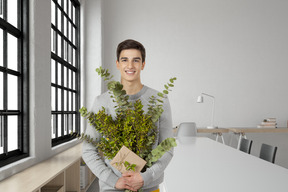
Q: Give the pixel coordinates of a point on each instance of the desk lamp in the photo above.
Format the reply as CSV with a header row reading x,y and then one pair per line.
x,y
200,100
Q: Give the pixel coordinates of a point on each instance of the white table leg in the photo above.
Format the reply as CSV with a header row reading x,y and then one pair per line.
x,y
239,141
222,139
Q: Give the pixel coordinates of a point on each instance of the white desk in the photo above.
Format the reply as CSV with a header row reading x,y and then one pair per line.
x,y
203,165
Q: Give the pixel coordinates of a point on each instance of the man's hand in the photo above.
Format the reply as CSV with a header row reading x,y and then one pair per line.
x,y
133,179
122,183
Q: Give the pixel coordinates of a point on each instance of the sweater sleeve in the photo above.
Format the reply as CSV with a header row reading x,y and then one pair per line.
x,y
93,159
165,131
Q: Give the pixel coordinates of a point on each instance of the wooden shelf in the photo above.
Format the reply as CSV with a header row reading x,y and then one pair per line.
x,y
53,189
61,173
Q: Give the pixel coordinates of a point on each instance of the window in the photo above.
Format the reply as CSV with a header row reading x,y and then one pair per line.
x,y
65,65
14,143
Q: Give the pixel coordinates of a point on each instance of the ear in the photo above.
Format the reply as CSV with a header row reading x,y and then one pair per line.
x,y
143,65
117,64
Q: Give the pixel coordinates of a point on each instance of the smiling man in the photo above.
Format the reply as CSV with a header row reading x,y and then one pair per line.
x,y
130,62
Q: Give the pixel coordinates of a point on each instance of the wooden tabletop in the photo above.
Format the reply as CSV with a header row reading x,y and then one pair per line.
x,y
216,130
206,130
242,130
258,130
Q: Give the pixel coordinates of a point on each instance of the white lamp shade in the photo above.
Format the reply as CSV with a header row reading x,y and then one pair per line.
x,y
200,99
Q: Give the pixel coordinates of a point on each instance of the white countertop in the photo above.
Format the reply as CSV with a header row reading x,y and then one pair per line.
x,y
203,165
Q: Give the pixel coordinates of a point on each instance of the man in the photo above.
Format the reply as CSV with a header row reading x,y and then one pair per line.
x,y
130,62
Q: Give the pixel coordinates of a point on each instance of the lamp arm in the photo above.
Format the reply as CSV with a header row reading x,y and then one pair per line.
x,y
207,95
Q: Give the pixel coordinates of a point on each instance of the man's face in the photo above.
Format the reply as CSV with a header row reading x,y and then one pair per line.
x,y
130,65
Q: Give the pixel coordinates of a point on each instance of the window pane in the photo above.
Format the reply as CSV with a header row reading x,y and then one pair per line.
x,y
53,125
1,47
12,52
65,100
59,24
73,98
68,78
12,92
1,134
53,101
73,9
70,122
74,36
65,5
65,50
65,26
59,2
65,124
1,9
70,32
65,77
74,122
69,54
59,74
70,102
70,10
12,7
74,58
1,92
59,125
73,81
53,12
53,66
59,100
59,47
12,133
53,41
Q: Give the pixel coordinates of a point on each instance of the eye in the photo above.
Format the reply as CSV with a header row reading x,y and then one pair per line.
x,y
136,60
123,60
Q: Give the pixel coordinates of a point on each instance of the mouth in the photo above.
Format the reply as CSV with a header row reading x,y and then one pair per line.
x,y
130,72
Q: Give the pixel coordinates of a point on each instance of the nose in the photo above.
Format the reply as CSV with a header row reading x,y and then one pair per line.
x,y
130,64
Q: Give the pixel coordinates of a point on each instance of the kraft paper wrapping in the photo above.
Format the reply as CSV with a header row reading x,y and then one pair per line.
x,y
125,154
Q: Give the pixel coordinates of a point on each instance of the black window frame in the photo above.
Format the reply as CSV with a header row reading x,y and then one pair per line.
x,y
65,62
21,32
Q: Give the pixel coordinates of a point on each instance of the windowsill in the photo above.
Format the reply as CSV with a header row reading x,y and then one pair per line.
x,y
25,163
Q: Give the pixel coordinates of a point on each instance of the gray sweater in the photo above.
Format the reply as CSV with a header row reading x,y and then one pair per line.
x,y
106,174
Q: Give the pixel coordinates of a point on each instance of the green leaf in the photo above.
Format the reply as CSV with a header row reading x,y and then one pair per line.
x,y
160,95
165,92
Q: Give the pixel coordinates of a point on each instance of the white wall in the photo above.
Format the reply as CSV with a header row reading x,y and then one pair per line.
x,y
235,50
91,49
91,52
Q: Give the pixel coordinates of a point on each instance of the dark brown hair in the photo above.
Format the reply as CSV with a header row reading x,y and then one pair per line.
x,y
131,44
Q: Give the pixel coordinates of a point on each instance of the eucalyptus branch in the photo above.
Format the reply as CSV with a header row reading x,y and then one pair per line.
x,y
131,127
155,104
